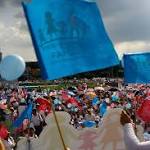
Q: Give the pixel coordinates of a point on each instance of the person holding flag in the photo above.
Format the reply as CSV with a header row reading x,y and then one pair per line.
x,y
26,114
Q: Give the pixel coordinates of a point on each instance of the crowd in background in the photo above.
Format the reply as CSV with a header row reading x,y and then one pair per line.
x,y
86,107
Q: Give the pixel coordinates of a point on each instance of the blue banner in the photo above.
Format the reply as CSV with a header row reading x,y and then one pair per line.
x,y
137,68
103,108
26,114
89,124
69,37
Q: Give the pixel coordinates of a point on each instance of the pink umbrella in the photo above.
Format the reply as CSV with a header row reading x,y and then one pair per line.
x,y
65,96
74,102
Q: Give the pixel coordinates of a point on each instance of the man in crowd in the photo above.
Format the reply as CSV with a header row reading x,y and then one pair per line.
x,y
37,121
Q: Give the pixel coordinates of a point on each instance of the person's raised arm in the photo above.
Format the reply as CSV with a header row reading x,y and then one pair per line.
x,y
131,141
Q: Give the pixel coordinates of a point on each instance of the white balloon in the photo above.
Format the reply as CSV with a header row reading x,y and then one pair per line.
x,y
12,67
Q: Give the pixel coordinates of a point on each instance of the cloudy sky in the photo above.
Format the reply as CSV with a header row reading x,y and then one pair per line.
x,y
126,21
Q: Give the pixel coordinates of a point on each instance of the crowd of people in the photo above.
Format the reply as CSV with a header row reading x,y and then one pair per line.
x,y
86,107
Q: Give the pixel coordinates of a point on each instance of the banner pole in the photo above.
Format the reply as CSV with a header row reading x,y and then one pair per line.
x,y
57,124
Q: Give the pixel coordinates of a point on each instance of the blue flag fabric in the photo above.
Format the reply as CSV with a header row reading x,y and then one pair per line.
x,y
103,108
26,114
68,37
89,124
137,68
95,101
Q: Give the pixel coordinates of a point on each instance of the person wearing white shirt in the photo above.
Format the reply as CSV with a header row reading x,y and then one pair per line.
x,y
36,121
131,141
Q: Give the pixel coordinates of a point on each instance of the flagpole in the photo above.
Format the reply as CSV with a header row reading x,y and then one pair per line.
x,y
58,127
2,147
44,70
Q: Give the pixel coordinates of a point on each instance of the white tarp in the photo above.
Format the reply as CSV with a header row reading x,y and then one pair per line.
x,y
109,136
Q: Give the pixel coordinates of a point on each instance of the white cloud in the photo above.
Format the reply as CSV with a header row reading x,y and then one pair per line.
x,y
13,40
126,22
133,46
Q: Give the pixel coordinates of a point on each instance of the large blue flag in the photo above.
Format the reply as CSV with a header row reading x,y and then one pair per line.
x,y
68,37
137,68
26,114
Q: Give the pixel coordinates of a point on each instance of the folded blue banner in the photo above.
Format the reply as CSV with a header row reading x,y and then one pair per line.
x,y
68,37
137,68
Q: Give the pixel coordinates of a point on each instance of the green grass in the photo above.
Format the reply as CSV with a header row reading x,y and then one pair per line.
x,y
54,87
